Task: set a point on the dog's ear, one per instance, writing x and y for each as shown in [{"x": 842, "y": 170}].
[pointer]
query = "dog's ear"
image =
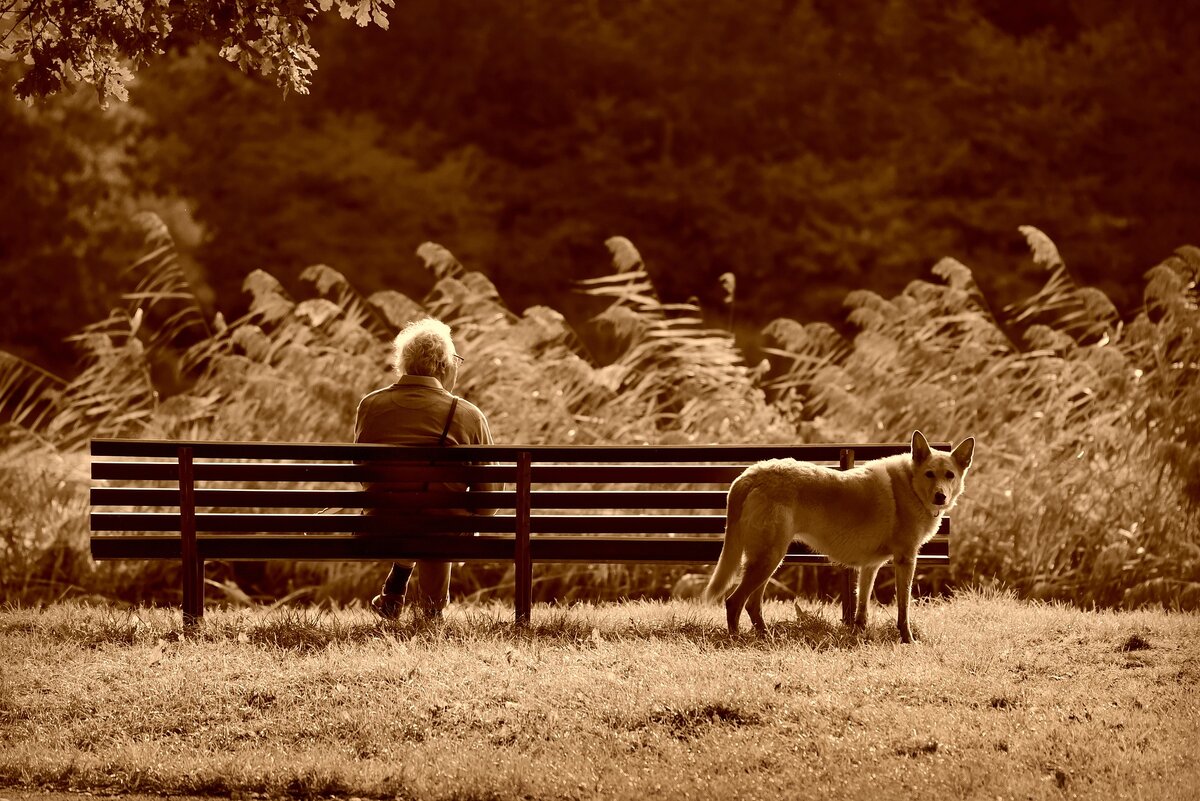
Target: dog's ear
[
  {"x": 963, "y": 452},
  {"x": 920, "y": 447}
]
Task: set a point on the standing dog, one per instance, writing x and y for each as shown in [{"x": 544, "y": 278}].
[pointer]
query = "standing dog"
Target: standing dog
[{"x": 886, "y": 508}]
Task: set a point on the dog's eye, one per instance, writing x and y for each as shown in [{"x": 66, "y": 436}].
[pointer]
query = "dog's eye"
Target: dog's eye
[
  {"x": 928, "y": 474},
  {"x": 949, "y": 475}
]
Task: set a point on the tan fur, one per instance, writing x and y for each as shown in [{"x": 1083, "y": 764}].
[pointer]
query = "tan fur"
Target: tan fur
[{"x": 884, "y": 509}]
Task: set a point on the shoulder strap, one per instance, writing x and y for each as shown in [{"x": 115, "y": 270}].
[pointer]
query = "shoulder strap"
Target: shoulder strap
[
  {"x": 449, "y": 420},
  {"x": 445, "y": 429}
]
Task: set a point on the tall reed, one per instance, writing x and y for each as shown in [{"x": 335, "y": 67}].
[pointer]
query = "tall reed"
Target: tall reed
[{"x": 1085, "y": 488}]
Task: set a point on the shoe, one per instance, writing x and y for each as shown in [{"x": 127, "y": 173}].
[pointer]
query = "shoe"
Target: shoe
[{"x": 388, "y": 606}]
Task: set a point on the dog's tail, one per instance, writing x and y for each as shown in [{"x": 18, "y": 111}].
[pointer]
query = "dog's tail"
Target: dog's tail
[{"x": 731, "y": 551}]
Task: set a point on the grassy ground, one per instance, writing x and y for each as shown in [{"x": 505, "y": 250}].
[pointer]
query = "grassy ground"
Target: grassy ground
[{"x": 999, "y": 699}]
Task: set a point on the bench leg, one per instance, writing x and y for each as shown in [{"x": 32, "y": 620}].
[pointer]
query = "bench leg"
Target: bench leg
[
  {"x": 193, "y": 592},
  {"x": 849, "y": 582},
  {"x": 523, "y": 560},
  {"x": 189, "y": 549}
]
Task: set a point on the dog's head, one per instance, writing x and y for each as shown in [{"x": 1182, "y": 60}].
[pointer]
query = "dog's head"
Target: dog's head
[{"x": 938, "y": 476}]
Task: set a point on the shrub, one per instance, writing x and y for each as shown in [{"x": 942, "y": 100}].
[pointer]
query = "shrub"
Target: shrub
[{"x": 1085, "y": 488}]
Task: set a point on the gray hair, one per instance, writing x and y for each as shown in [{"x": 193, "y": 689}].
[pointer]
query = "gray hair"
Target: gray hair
[{"x": 423, "y": 347}]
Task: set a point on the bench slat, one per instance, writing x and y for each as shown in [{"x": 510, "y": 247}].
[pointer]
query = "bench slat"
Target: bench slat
[
  {"x": 367, "y": 524},
  {"x": 349, "y": 473},
  {"x": 355, "y": 499},
  {"x": 301, "y": 498},
  {"x": 329, "y": 451},
  {"x": 677, "y": 550},
  {"x": 288, "y": 472}
]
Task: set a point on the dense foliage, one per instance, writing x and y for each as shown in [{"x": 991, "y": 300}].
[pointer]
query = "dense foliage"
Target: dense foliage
[
  {"x": 809, "y": 148},
  {"x": 101, "y": 43},
  {"x": 1086, "y": 486},
  {"x": 770, "y": 159}
]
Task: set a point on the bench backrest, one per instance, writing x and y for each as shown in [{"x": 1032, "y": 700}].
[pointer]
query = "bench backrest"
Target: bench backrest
[{"x": 255, "y": 487}]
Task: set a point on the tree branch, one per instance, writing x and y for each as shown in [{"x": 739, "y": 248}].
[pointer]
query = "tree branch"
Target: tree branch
[{"x": 21, "y": 17}]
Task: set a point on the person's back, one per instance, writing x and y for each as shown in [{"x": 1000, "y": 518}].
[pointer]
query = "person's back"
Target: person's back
[{"x": 420, "y": 410}]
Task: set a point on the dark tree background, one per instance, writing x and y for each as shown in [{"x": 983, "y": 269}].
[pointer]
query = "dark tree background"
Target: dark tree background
[{"x": 809, "y": 148}]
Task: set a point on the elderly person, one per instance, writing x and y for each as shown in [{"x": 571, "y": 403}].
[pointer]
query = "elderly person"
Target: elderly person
[{"x": 420, "y": 409}]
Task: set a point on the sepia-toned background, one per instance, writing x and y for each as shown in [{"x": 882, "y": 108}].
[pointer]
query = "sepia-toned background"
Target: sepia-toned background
[{"x": 855, "y": 219}]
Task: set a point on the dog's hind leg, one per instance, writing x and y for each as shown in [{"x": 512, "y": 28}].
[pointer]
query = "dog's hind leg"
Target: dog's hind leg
[
  {"x": 906, "y": 565},
  {"x": 754, "y": 606},
  {"x": 764, "y": 554},
  {"x": 749, "y": 594},
  {"x": 866, "y": 583}
]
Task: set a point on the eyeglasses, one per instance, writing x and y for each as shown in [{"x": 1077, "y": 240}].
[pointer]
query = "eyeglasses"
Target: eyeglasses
[{"x": 459, "y": 359}]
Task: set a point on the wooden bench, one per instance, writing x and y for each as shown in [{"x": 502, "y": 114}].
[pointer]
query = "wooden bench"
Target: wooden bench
[{"x": 202, "y": 501}]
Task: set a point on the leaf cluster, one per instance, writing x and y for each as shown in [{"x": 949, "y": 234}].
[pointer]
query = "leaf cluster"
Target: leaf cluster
[{"x": 102, "y": 42}]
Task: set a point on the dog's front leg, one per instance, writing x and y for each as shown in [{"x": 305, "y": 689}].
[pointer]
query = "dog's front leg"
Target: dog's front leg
[
  {"x": 866, "y": 583},
  {"x": 905, "y": 565}
]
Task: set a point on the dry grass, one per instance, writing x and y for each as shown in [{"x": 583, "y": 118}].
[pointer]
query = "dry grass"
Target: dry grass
[{"x": 1000, "y": 699}]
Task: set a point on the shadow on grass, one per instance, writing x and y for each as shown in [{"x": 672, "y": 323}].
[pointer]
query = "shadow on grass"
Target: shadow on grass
[
  {"x": 821, "y": 633},
  {"x": 309, "y": 629}
]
